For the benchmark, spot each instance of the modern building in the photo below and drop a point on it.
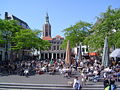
(4, 48)
(55, 51)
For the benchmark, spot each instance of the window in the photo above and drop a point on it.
(57, 47)
(49, 48)
(46, 33)
(57, 38)
(54, 47)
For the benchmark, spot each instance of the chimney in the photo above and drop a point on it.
(6, 15)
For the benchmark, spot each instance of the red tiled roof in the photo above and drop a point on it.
(58, 36)
(47, 38)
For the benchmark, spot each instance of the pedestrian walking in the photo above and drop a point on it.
(106, 83)
(112, 84)
(76, 84)
(83, 79)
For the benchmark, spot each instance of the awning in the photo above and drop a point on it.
(93, 54)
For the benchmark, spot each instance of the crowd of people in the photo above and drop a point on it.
(32, 67)
(92, 70)
(89, 69)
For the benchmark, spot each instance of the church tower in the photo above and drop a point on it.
(47, 27)
(54, 51)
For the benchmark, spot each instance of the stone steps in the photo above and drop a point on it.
(21, 86)
(34, 86)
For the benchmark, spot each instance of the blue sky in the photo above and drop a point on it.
(62, 13)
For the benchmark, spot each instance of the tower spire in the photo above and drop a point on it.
(47, 18)
(47, 27)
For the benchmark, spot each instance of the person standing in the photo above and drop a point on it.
(106, 84)
(83, 79)
(112, 84)
(76, 84)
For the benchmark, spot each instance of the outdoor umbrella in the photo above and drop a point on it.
(80, 53)
(105, 56)
(115, 53)
(68, 58)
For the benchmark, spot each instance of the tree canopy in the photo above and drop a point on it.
(108, 24)
(20, 38)
(76, 33)
(8, 27)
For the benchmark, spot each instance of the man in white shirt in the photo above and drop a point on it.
(76, 84)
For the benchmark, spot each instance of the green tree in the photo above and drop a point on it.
(105, 26)
(76, 33)
(115, 39)
(20, 38)
(24, 39)
(1, 38)
(8, 27)
(30, 40)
